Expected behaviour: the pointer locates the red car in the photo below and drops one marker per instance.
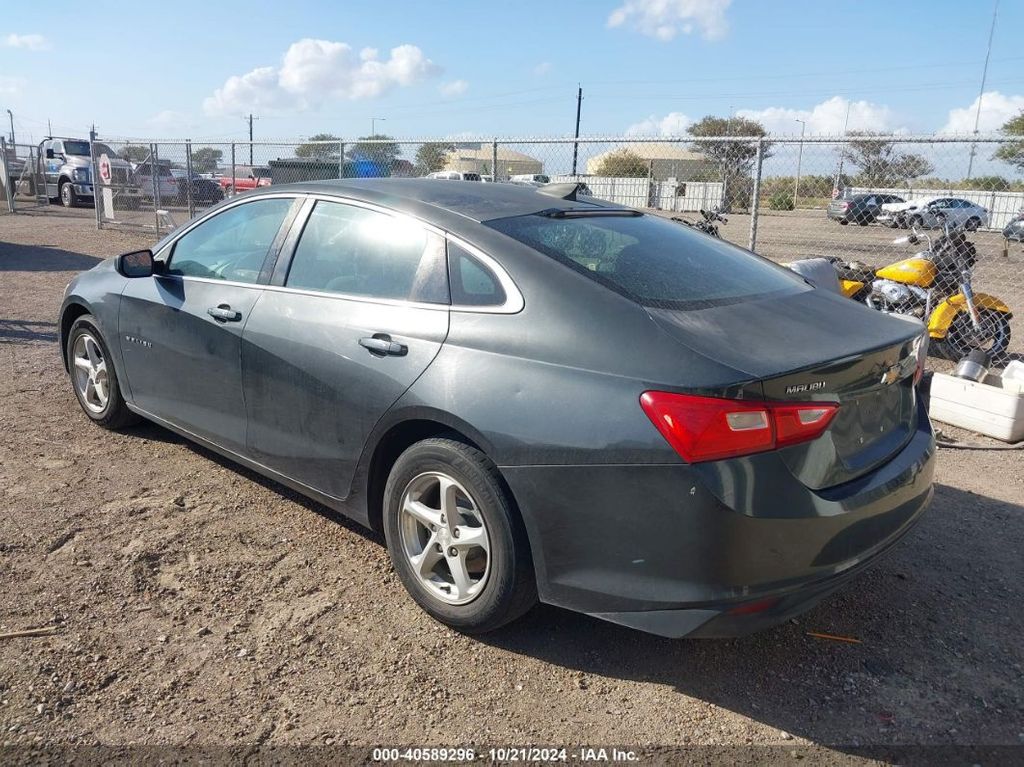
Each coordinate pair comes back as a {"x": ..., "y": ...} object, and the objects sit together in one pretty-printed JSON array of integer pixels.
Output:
[{"x": 256, "y": 177}]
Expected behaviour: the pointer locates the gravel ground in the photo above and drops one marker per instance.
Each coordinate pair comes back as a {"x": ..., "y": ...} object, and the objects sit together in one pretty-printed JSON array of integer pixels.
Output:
[{"x": 197, "y": 603}]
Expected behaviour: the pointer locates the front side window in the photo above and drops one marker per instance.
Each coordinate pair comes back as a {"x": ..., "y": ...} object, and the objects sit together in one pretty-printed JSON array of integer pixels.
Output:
[
  {"x": 360, "y": 252},
  {"x": 232, "y": 245},
  {"x": 651, "y": 260}
]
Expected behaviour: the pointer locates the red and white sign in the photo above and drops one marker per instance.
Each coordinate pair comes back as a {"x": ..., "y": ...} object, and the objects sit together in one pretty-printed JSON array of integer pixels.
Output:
[{"x": 104, "y": 167}]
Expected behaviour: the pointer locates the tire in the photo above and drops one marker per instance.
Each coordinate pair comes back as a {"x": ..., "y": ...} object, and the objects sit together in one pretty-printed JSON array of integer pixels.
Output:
[
  {"x": 961, "y": 337},
  {"x": 497, "y": 583},
  {"x": 110, "y": 411},
  {"x": 972, "y": 224},
  {"x": 843, "y": 222},
  {"x": 66, "y": 194}
]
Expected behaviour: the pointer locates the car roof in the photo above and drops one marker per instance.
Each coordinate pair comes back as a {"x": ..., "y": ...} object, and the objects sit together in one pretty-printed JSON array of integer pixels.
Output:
[{"x": 440, "y": 199}]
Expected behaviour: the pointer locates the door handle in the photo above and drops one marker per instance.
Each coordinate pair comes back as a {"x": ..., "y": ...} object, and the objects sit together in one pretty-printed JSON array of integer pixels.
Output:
[
  {"x": 224, "y": 313},
  {"x": 381, "y": 344}
]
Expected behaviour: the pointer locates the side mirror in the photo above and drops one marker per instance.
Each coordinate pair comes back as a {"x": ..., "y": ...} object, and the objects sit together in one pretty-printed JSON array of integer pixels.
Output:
[{"x": 138, "y": 263}]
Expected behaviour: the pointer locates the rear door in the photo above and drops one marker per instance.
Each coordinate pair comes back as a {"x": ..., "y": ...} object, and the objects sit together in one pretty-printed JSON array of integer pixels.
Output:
[
  {"x": 351, "y": 319},
  {"x": 180, "y": 332}
]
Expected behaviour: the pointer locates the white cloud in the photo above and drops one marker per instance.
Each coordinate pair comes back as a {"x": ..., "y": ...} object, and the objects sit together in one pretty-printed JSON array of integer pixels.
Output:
[
  {"x": 454, "y": 88},
  {"x": 28, "y": 42},
  {"x": 996, "y": 109},
  {"x": 825, "y": 119},
  {"x": 664, "y": 19},
  {"x": 672, "y": 124},
  {"x": 542, "y": 69},
  {"x": 170, "y": 123},
  {"x": 314, "y": 71},
  {"x": 11, "y": 86}
]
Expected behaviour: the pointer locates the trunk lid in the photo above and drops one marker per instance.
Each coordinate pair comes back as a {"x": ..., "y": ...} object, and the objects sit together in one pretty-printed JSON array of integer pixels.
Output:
[{"x": 817, "y": 346}]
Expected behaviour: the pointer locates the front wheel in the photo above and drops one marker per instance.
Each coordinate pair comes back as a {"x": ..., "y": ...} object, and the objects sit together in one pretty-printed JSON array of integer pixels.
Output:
[
  {"x": 455, "y": 537},
  {"x": 962, "y": 338},
  {"x": 94, "y": 378},
  {"x": 972, "y": 224},
  {"x": 68, "y": 198}
]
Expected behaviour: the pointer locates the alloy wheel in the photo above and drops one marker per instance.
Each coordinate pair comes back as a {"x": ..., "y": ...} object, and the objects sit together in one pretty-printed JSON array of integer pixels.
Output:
[
  {"x": 90, "y": 371},
  {"x": 444, "y": 538}
]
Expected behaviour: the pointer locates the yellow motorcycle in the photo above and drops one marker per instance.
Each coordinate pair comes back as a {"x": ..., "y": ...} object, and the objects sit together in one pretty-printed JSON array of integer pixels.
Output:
[{"x": 935, "y": 286}]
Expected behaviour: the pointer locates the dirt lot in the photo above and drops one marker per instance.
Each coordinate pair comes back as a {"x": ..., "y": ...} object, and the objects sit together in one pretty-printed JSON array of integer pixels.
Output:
[{"x": 199, "y": 604}]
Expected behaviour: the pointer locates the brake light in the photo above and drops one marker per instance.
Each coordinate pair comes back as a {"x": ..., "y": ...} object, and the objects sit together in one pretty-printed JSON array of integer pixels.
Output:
[{"x": 711, "y": 428}]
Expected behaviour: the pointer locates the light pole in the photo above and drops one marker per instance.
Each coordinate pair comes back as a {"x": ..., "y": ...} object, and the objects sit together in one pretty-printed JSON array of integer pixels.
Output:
[
  {"x": 799, "y": 159},
  {"x": 373, "y": 125},
  {"x": 11, "y": 115}
]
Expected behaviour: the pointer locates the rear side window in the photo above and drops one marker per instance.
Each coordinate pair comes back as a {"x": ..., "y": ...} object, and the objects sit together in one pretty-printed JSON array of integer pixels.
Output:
[
  {"x": 654, "y": 261},
  {"x": 472, "y": 283},
  {"x": 360, "y": 252}
]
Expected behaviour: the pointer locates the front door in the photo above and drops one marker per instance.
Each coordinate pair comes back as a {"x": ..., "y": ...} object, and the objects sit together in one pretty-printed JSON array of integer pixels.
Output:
[
  {"x": 180, "y": 332},
  {"x": 359, "y": 314}
]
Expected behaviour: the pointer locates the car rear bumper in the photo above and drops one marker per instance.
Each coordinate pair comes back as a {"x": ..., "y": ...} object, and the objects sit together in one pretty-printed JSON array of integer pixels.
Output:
[{"x": 662, "y": 549}]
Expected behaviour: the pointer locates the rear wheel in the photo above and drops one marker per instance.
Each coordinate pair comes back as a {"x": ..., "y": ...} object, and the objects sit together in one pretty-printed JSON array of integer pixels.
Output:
[
  {"x": 455, "y": 538},
  {"x": 94, "y": 378},
  {"x": 993, "y": 336}
]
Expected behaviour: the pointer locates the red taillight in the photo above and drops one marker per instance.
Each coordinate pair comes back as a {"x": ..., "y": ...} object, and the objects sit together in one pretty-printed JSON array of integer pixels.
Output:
[{"x": 710, "y": 428}]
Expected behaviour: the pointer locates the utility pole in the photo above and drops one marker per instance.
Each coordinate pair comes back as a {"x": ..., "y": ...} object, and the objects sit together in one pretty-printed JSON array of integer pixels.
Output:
[
  {"x": 799, "y": 159},
  {"x": 842, "y": 155},
  {"x": 576, "y": 143},
  {"x": 373, "y": 125},
  {"x": 11, "y": 115},
  {"x": 251, "y": 118},
  {"x": 981, "y": 91}
]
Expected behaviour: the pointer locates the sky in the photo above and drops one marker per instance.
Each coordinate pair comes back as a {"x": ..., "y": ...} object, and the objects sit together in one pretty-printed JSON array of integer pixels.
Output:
[{"x": 457, "y": 69}]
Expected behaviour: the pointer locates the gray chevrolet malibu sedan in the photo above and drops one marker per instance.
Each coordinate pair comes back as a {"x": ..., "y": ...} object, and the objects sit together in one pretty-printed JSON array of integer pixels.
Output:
[{"x": 533, "y": 396}]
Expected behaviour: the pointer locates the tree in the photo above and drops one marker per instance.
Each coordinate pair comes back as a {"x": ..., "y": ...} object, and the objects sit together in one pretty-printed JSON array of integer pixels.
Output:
[
  {"x": 135, "y": 152},
  {"x": 432, "y": 156},
  {"x": 734, "y": 159},
  {"x": 206, "y": 159},
  {"x": 325, "y": 152},
  {"x": 880, "y": 163},
  {"x": 624, "y": 164},
  {"x": 1013, "y": 152},
  {"x": 382, "y": 154}
]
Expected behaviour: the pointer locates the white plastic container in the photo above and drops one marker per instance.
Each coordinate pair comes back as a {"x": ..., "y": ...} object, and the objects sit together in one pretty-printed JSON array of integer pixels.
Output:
[
  {"x": 1014, "y": 372},
  {"x": 994, "y": 407}
]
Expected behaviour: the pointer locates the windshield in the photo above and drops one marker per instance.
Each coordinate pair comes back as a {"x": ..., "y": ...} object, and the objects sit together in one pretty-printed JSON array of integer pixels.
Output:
[
  {"x": 77, "y": 148},
  {"x": 653, "y": 261}
]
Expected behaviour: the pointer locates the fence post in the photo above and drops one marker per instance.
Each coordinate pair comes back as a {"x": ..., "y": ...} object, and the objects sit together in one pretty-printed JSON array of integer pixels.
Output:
[
  {"x": 341, "y": 160},
  {"x": 155, "y": 177},
  {"x": 755, "y": 199},
  {"x": 494, "y": 161},
  {"x": 97, "y": 197},
  {"x": 189, "y": 199},
  {"x": 8, "y": 193},
  {"x": 232, "y": 168}
]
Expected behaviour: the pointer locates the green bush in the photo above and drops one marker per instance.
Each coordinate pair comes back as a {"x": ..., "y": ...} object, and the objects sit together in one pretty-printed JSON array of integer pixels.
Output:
[{"x": 780, "y": 201}]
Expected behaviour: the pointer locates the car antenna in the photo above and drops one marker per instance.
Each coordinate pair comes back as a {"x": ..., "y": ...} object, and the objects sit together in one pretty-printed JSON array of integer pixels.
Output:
[{"x": 563, "y": 190}]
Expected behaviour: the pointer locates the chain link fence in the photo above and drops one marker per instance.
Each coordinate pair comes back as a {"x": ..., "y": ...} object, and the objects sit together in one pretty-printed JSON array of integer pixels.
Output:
[{"x": 842, "y": 198}]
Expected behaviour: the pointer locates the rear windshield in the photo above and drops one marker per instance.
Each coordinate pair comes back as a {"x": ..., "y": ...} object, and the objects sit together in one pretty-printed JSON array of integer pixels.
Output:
[{"x": 654, "y": 261}]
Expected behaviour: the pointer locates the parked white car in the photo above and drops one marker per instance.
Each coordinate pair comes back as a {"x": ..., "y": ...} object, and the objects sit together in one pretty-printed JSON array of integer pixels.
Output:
[
  {"x": 537, "y": 179},
  {"x": 165, "y": 182},
  {"x": 454, "y": 175},
  {"x": 921, "y": 213}
]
